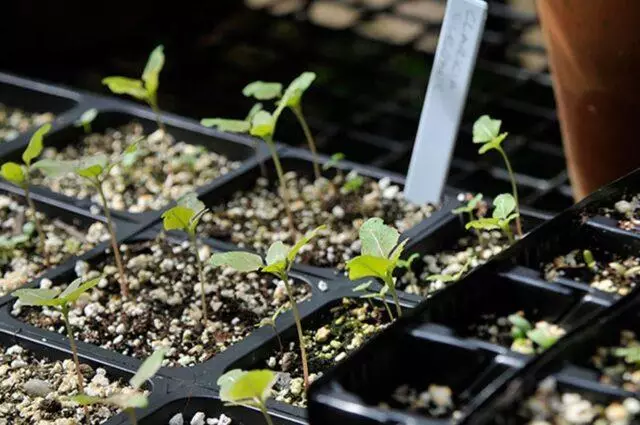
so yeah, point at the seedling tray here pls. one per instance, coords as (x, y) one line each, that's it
(511, 281)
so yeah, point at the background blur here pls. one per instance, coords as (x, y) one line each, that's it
(372, 57)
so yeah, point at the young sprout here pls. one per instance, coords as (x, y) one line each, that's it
(20, 176)
(447, 278)
(94, 170)
(333, 162)
(248, 388)
(271, 321)
(130, 400)
(519, 326)
(353, 183)
(503, 214)
(587, 255)
(9, 243)
(62, 301)
(292, 99)
(280, 258)
(86, 119)
(185, 216)
(469, 207)
(522, 329)
(146, 88)
(381, 295)
(487, 131)
(380, 255)
(631, 354)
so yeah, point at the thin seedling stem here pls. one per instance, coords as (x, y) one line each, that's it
(296, 315)
(87, 127)
(263, 409)
(124, 285)
(386, 306)
(132, 416)
(389, 282)
(283, 186)
(41, 235)
(74, 349)
(194, 244)
(153, 101)
(514, 189)
(297, 110)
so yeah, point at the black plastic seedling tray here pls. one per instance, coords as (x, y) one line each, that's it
(511, 281)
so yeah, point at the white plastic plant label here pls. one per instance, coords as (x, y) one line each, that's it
(445, 99)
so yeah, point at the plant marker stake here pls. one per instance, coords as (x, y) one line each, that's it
(445, 99)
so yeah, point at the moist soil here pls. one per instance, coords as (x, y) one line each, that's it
(626, 212)
(164, 307)
(617, 368)
(550, 405)
(468, 251)
(34, 390)
(21, 259)
(608, 274)
(164, 170)
(256, 218)
(436, 401)
(348, 326)
(499, 330)
(15, 121)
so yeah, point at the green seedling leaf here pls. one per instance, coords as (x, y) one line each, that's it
(293, 94)
(148, 368)
(541, 337)
(368, 266)
(191, 201)
(469, 206)
(77, 288)
(397, 252)
(494, 144)
(630, 354)
(87, 117)
(34, 148)
(263, 124)
(92, 167)
(53, 168)
(13, 173)
(238, 260)
(177, 218)
(377, 238)
(129, 86)
(484, 224)
(406, 264)
(37, 297)
(277, 254)
(252, 387)
(353, 184)
(291, 255)
(333, 162)
(520, 322)
(262, 90)
(445, 278)
(229, 126)
(587, 255)
(363, 287)
(122, 401)
(151, 72)
(485, 129)
(504, 205)
(253, 111)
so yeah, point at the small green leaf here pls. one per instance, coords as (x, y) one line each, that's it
(368, 266)
(148, 368)
(237, 386)
(263, 124)
(630, 354)
(87, 117)
(177, 218)
(444, 278)
(277, 253)
(87, 400)
(493, 144)
(520, 322)
(238, 260)
(377, 238)
(504, 205)
(353, 184)
(541, 337)
(34, 148)
(151, 73)
(397, 252)
(469, 206)
(262, 90)
(362, 287)
(191, 201)
(293, 252)
(53, 168)
(485, 129)
(13, 172)
(77, 288)
(484, 224)
(589, 260)
(39, 297)
(124, 85)
(229, 126)
(254, 110)
(293, 94)
(333, 162)
(91, 167)
(405, 263)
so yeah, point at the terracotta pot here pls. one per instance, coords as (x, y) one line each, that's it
(594, 52)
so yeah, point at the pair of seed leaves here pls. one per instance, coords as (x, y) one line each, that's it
(144, 88)
(260, 122)
(19, 174)
(249, 388)
(522, 328)
(487, 132)
(185, 215)
(504, 206)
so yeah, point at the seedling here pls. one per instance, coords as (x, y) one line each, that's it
(487, 131)
(62, 301)
(9, 243)
(280, 258)
(185, 216)
(292, 99)
(146, 88)
(630, 354)
(587, 255)
(381, 295)
(503, 214)
(94, 170)
(353, 183)
(448, 278)
(248, 388)
(520, 326)
(522, 329)
(86, 119)
(380, 256)
(271, 321)
(131, 400)
(20, 176)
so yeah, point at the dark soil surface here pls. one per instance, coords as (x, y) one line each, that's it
(15, 121)
(608, 274)
(165, 169)
(164, 307)
(618, 364)
(34, 390)
(256, 218)
(20, 259)
(347, 327)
